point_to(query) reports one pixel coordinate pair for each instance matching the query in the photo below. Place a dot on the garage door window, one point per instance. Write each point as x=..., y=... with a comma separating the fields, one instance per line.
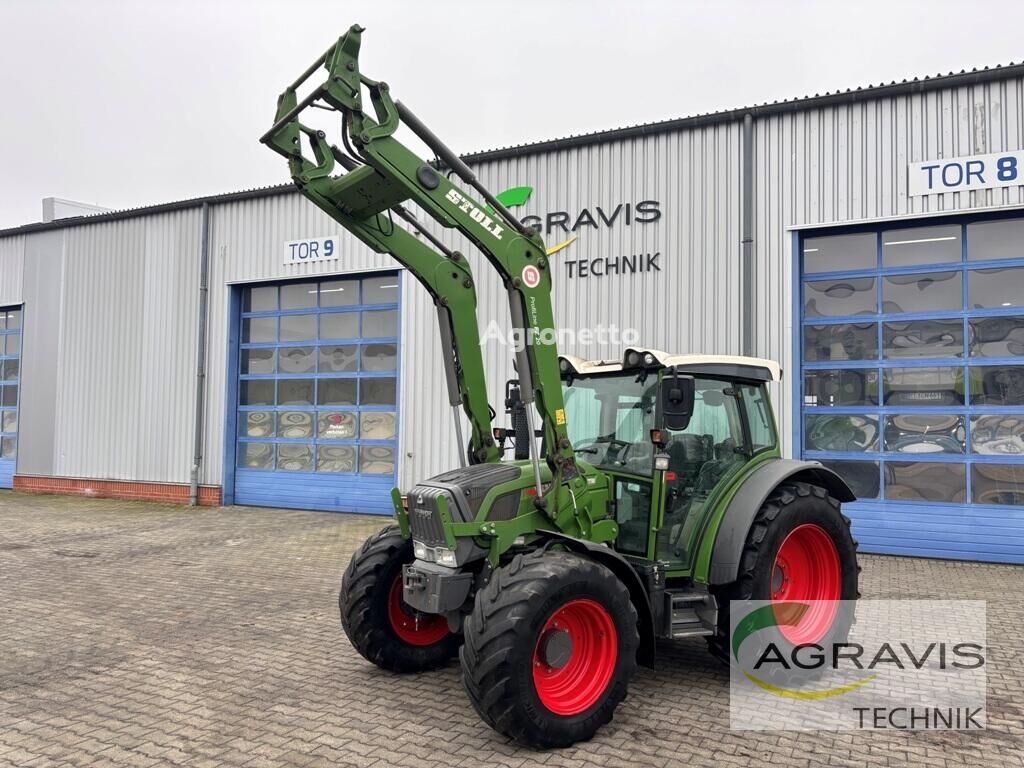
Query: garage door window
x=318, y=372
x=912, y=347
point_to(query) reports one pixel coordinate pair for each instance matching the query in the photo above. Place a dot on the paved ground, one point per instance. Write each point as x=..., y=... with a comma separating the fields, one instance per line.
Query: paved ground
x=138, y=634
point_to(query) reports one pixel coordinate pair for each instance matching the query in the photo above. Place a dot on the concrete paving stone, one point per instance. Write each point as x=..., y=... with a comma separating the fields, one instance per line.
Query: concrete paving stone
x=146, y=634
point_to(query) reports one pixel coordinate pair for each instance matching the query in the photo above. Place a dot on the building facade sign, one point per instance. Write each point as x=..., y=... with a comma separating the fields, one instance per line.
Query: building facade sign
x=571, y=225
x=962, y=174
x=310, y=250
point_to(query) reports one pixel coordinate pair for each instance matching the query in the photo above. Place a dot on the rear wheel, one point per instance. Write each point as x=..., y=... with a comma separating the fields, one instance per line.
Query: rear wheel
x=799, y=549
x=549, y=649
x=378, y=622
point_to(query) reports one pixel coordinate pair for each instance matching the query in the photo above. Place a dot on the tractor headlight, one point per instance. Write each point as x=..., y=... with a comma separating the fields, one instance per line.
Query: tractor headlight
x=445, y=557
x=440, y=555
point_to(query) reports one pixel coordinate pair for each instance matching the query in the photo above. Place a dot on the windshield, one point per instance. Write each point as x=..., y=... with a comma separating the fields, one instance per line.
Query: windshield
x=610, y=418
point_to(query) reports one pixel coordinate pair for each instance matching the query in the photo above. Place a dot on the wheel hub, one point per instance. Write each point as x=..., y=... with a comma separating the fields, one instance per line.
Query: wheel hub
x=555, y=648
x=780, y=578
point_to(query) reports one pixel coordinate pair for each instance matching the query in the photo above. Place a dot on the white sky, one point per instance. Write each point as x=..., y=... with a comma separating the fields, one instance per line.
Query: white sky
x=130, y=103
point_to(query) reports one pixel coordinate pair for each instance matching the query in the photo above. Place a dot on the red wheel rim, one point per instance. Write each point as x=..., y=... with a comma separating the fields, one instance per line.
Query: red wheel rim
x=579, y=683
x=806, y=569
x=411, y=626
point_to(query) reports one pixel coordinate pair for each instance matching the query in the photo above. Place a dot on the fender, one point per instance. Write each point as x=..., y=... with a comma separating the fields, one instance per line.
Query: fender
x=731, y=536
x=618, y=565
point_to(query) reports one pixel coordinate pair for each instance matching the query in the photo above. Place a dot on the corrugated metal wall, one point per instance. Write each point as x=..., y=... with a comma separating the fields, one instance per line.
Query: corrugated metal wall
x=12, y=264
x=42, y=320
x=694, y=176
x=112, y=358
x=125, y=361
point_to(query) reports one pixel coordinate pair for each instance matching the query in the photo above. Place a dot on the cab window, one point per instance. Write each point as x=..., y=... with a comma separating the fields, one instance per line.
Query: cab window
x=609, y=419
x=759, y=416
x=714, y=439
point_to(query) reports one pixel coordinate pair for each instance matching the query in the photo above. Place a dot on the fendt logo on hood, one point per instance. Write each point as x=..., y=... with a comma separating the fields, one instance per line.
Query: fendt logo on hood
x=626, y=214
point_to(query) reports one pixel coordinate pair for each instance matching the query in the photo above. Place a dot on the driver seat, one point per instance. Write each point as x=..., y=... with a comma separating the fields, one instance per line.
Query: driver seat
x=713, y=471
x=687, y=454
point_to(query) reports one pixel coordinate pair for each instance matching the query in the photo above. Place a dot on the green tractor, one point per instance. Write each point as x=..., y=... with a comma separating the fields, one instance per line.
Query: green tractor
x=657, y=494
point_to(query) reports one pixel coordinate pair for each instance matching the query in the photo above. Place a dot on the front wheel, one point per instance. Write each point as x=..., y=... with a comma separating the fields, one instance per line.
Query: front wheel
x=378, y=622
x=549, y=649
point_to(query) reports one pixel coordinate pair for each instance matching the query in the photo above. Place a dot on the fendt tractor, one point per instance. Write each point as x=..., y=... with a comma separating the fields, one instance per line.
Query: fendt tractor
x=655, y=495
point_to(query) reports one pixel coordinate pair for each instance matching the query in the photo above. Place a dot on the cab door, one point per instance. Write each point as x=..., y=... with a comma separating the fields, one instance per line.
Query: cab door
x=631, y=469
x=731, y=423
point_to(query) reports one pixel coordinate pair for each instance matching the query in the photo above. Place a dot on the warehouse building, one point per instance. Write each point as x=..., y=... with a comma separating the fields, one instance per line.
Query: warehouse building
x=242, y=348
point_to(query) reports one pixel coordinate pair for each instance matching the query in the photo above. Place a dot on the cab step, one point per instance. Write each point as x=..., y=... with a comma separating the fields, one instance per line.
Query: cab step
x=694, y=614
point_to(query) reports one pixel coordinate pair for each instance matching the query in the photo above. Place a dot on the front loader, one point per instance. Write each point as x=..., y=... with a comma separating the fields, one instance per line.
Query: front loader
x=656, y=498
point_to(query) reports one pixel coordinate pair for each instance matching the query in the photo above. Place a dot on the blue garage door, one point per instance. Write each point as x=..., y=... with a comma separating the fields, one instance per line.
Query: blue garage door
x=10, y=367
x=912, y=358
x=317, y=413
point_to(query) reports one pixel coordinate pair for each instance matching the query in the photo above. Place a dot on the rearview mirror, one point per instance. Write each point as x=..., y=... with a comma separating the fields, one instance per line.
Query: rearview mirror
x=675, y=401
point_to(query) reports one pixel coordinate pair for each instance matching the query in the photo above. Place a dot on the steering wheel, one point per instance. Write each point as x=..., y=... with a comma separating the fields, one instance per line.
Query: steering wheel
x=616, y=448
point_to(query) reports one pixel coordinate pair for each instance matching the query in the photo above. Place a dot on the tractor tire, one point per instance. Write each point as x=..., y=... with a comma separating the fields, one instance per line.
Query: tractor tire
x=549, y=648
x=799, y=547
x=378, y=622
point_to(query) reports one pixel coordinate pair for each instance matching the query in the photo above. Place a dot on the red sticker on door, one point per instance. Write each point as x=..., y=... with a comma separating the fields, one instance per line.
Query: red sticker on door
x=531, y=276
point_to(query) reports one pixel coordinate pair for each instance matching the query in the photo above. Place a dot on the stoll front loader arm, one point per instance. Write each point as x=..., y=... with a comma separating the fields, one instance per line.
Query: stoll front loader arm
x=382, y=174
x=367, y=199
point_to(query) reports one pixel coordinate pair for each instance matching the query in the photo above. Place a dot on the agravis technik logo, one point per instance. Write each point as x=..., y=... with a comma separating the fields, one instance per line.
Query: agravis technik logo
x=516, y=196
x=879, y=665
x=599, y=220
x=770, y=616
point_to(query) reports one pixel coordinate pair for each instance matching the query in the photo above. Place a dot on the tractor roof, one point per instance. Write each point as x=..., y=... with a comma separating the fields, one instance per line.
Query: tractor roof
x=729, y=366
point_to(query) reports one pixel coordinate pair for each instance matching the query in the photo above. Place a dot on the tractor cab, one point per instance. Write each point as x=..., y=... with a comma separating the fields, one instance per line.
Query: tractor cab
x=673, y=433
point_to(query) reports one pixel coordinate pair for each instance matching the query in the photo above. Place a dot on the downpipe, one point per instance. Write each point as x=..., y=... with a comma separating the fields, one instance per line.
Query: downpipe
x=747, y=239
x=201, y=323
